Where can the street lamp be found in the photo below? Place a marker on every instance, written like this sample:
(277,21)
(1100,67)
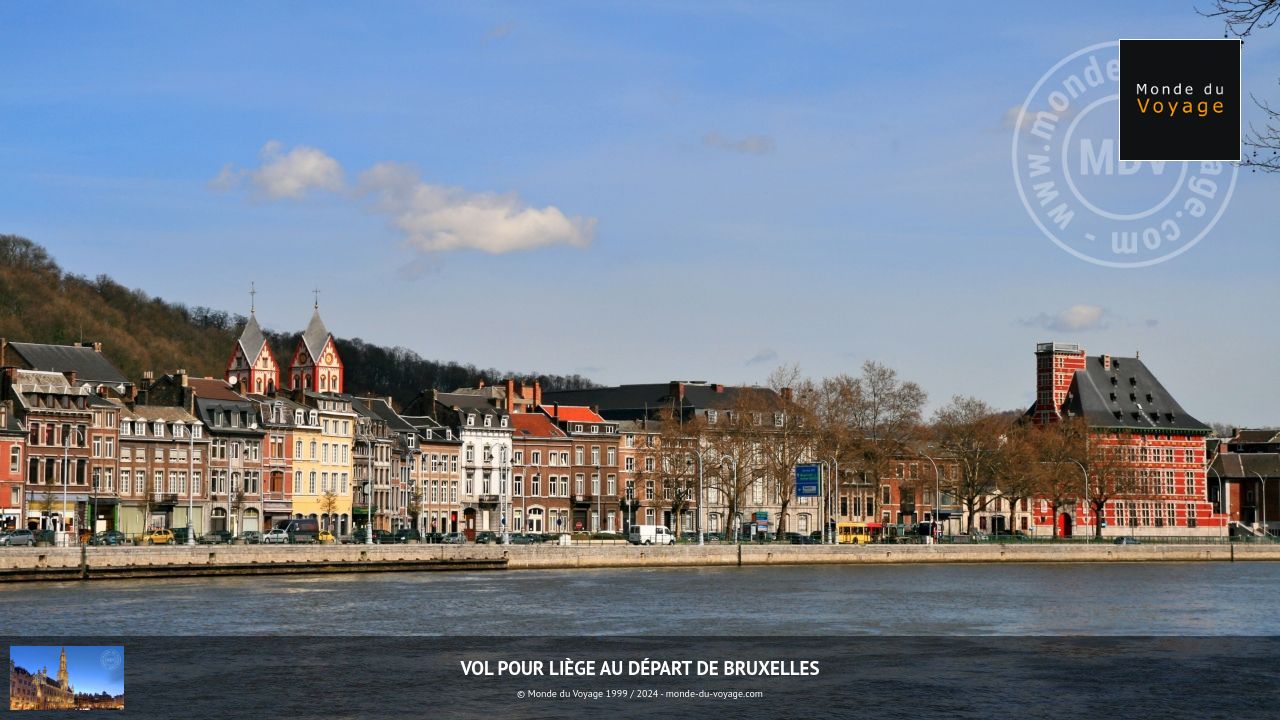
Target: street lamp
(1222,496)
(66,447)
(191,479)
(937,496)
(1263,482)
(368,511)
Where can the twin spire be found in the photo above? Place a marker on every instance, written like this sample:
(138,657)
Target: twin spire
(314,366)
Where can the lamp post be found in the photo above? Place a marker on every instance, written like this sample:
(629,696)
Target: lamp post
(937,495)
(1086,496)
(1222,496)
(66,467)
(191,479)
(1263,482)
(701,526)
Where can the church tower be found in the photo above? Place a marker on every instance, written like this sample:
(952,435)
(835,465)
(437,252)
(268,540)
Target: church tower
(316,365)
(63,681)
(253,367)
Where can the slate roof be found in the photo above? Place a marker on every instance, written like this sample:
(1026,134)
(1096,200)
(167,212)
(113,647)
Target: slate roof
(1244,465)
(252,338)
(626,402)
(315,336)
(379,408)
(1260,437)
(89,365)
(1126,396)
(473,403)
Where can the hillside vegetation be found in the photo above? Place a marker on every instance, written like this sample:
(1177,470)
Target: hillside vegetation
(41,303)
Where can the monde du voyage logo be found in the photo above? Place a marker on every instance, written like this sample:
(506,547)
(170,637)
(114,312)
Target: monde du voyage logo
(1124,153)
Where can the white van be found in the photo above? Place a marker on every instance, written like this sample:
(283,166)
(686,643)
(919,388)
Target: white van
(651,535)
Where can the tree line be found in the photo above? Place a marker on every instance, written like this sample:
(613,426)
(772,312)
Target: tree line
(41,303)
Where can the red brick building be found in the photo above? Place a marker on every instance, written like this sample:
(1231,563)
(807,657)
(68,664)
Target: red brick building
(1160,444)
(540,453)
(594,491)
(12,442)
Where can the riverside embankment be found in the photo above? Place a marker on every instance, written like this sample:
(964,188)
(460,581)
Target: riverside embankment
(123,562)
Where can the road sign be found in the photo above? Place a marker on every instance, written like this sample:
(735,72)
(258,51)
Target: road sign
(808,480)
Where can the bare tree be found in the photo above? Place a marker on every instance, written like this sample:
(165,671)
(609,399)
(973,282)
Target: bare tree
(734,457)
(1016,471)
(1111,475)
(884,415)
(971,434)
(328,505)
(786,435)
(1241,18)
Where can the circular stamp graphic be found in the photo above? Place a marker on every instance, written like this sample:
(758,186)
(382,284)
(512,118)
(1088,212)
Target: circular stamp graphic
(1082,196)
(111,659)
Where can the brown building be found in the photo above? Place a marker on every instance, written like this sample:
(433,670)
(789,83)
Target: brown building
(435,475)
(12,444)
(163,465)
(594,492)
(540,453)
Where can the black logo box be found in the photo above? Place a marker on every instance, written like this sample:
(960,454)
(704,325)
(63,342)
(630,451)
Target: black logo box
(1185,67)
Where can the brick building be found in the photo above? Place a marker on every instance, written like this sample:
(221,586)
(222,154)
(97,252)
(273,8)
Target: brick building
(594,493)
(1244,480)
(12,444)
(163,464)
(540,453)
(1162,447)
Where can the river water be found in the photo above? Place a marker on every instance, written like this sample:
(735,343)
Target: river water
(1018,599)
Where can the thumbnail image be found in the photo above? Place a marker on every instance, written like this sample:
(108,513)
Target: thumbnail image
(88,677)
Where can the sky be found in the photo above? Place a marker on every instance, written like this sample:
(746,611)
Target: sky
(91,669)
(637,192)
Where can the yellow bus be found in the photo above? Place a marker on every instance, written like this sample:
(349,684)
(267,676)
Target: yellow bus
(859,533)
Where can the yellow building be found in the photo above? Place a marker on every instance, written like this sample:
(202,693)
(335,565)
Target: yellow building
(322,460)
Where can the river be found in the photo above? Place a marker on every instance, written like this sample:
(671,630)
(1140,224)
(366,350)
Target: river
(1006,599)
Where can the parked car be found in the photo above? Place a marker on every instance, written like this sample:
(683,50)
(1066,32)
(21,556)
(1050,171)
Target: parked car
(1128,540)
(300,530)
(325,537)
(799,539)
(160,536)
(18,537)
(216,537)
(379,536)
(487,537)
(278,536)
(407,535)
(250,537)
(433,538)
(453,539)
(108,537)
(525,539)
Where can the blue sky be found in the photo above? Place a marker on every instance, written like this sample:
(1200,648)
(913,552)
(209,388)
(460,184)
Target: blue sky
(86,669)
(678,190)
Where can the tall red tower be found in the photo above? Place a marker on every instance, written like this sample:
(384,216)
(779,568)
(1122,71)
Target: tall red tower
(1056,365)
(315,364)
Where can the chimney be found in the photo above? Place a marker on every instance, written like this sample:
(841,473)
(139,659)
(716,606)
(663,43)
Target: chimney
(1106,362)
(786,394)
(481,383)
(537,392)
(676,390)
(182,377)
(511,394)
(97,347)
(71,376)
(555,411)
(718,388)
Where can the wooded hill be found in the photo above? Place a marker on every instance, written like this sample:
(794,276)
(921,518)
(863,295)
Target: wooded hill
(41,303)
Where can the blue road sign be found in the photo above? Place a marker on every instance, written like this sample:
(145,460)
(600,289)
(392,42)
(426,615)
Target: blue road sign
(808,480)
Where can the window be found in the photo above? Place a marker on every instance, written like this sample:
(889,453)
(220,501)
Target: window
(311,484)
(613,485)
(611,456)
(629,463)
(488,420)
(535,485)
(15,460)
(578,456)
(579,484)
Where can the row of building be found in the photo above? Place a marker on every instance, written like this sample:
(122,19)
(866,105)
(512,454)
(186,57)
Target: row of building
(85,448)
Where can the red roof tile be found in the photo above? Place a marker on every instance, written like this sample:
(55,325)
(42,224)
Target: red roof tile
(571,413)
(534,425)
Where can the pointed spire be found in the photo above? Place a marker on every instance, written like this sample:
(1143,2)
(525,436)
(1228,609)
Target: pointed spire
(253,291)
(316,335)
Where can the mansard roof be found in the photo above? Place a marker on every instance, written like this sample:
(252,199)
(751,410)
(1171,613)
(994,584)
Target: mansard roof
(1126,395)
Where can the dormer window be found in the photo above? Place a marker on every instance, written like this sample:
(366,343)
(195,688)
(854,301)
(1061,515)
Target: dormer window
(504,422)
(777,419)
(488,420)
(179,430)
(595,429)
(711,417)
(197,431)
(126,428)
(471,420)
(577,428)
(141,427)
(157,428)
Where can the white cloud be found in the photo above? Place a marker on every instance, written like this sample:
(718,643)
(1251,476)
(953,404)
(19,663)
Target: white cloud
(435,218)
(432,218)
(1077,318)
(749,145)
(284,175)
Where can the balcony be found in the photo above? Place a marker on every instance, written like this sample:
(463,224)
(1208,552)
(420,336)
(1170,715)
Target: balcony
(487,499)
